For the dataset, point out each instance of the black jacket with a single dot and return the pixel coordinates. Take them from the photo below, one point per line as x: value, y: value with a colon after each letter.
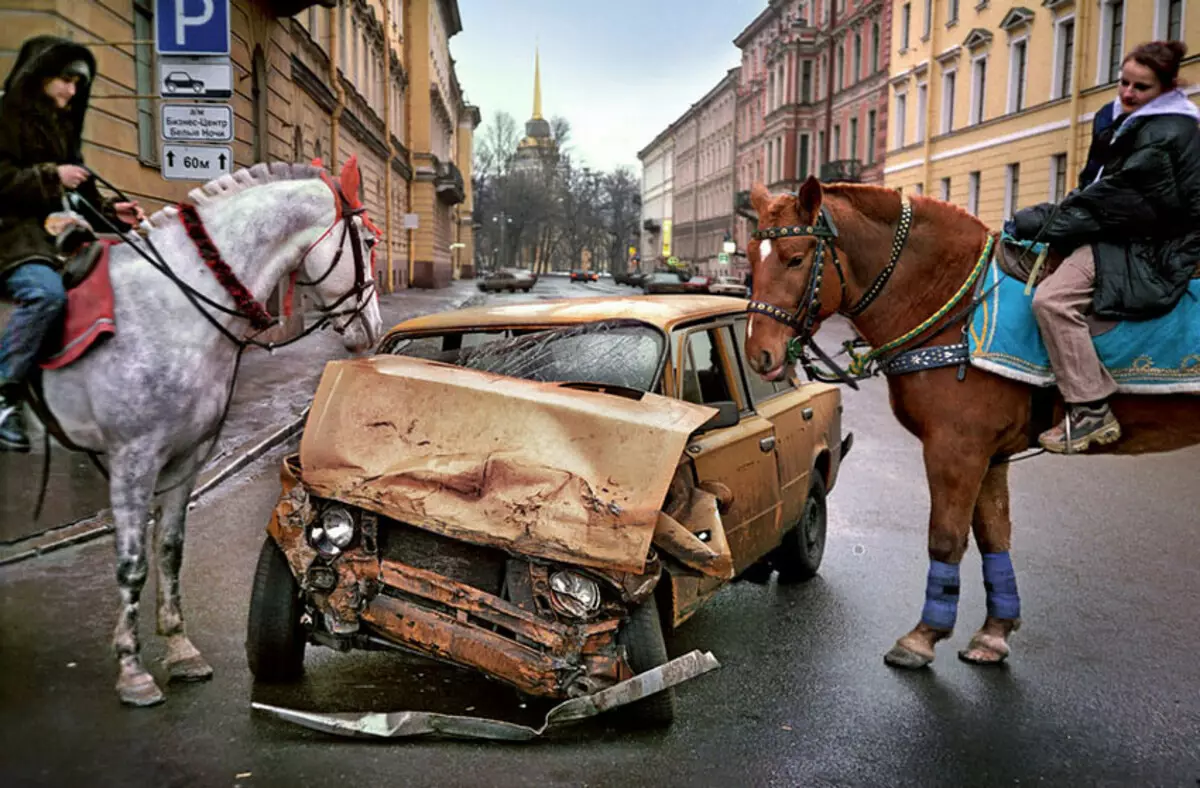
x: 1142, y: 217
x: 1102, y: 131
x: 36, y: 137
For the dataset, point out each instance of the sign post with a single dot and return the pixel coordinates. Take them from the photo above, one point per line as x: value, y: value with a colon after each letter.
x: 192, y: 41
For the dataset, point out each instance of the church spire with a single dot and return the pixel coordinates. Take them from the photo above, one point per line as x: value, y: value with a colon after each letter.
x: 537, y: 85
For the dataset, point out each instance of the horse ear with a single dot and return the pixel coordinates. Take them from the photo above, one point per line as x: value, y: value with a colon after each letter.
x: 808, y: 201
x: 760, y: 198
x: 350, y: 180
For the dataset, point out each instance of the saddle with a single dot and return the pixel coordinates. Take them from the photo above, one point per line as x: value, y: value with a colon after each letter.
x: 1019, y: 262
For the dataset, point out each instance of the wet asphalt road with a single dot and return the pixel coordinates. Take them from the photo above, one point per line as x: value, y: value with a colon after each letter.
x: 1103, y: 688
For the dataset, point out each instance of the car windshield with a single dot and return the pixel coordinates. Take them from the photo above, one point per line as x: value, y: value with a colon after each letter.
x: 612, y: 352
x: 664, y: 277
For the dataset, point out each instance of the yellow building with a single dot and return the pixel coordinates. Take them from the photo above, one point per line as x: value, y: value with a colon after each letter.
x: 992, y: 101
x: 312, y: 79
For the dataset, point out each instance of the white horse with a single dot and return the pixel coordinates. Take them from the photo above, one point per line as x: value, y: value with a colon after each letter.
x: 152, y: 397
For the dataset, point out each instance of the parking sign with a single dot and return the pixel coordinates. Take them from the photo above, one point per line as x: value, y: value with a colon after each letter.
x: 191, y: 27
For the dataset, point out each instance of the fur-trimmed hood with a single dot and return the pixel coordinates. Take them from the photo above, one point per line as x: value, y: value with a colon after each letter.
x: 40, y: 58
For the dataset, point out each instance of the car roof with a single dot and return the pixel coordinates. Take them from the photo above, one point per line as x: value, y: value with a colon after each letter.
x: 665, y: 312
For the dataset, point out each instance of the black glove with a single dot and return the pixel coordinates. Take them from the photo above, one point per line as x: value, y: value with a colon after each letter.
x: 1027, y: 223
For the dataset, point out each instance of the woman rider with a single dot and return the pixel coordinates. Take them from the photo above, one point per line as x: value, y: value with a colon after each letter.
x: 1132, y: 237
x: 41, y: 127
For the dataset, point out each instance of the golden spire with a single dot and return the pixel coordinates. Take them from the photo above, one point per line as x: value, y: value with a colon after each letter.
x: 537, y: 85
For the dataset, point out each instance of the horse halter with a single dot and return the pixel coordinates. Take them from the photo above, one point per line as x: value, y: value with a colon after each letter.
x: 363, y: 284
x: 808, y: 309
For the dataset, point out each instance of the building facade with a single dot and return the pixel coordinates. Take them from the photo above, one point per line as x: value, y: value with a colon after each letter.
x: 312, y: 79
x: 704, y: 185
x: 992, y: 102
x: 812, y: 96
x: 658, y: 195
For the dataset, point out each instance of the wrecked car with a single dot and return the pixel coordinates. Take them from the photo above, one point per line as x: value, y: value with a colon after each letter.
x: 537, y: 491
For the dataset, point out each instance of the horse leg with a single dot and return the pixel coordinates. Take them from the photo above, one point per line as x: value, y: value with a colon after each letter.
x: 133, y: 473
x: 955, y: 474
x: 183, y: 660
x: 993, y: 534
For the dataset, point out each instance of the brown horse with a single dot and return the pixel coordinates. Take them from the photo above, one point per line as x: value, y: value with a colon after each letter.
x: 862, y: 252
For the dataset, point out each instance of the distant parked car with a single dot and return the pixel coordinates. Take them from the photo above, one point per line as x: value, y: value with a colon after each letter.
x: 633, y: 278
x: 505, y: 279
x: 662, y: 282
x: 697, y: 284
x: 728, y: 285
x: 585, y: 276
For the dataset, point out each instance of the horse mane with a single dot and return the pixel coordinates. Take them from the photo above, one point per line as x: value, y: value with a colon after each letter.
x: 881, y: 202
x: 238, y: 181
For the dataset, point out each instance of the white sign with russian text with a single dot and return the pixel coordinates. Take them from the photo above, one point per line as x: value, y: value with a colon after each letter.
x: 197, y: 122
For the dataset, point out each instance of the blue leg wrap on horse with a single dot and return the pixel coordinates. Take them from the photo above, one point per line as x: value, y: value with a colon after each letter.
x: 941, y: 596
x: 1000, y: 580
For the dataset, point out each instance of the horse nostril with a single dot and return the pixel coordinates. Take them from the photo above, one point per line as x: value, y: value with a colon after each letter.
x: 765, y: 361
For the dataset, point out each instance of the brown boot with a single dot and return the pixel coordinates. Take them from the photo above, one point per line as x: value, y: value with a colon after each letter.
x: 1085, y: 425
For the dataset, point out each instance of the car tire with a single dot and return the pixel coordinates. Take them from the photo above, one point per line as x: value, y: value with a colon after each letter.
x: 275, y: 637
x: 798, y: 557
x: 646, y: 648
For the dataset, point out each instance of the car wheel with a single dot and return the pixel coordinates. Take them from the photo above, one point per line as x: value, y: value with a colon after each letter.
x: 275, y: 638
x: 645, y: 647
x: 798, y: 557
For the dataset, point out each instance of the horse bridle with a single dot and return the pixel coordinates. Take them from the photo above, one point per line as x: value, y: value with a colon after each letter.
x: 808, y: 309
x: 364, y: 285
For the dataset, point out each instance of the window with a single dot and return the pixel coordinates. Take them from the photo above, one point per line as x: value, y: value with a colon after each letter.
x: 1112, y: 46
x: 1064, y: 44
x: 875, y: 48
x: 945, y: 190
x: 901, y: 119
x: 949, y: 79
x: 704, y: 378
x: 770, y: 158
x: 856, y: 63
x: 839, y: 80
x: 1174, y: 20
x: 854, y: 138
x: 1018, y: 53
x: 928, y: 20
x: 973, y: 192
x: 922, y: 110
x: 951, y: 12
x: 806, y: 76
x: 837, y: 143
x: 979, y: 90
x: 918, y: 188
x: 771, y: 91
x: 871, y: 131
x: 820, y: 155
x: 905, y: 24
x: 146, y: 83
x: 1012, y: 189
x: 802, y: 157
x: 1058, y: 177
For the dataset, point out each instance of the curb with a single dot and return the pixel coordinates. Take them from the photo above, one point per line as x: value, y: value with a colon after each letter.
x: 101, y: 523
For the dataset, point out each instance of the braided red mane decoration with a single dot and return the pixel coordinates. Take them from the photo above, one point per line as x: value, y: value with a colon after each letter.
x: 255, y: 312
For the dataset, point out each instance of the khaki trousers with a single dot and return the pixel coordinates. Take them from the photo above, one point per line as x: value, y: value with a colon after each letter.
x: 1061, y: 304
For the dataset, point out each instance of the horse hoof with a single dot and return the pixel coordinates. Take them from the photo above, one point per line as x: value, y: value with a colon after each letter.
x: 994, y: 649
x: 903, y: 657
x: 139, y: 691
x: 192, y: 668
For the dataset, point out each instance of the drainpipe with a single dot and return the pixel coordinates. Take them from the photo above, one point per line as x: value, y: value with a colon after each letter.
x: 408, y: 22
x: 927, y: 150
x: 1083, y: 12
x: 829, y: 68
x: 335, y: 80
x: 387, y: 133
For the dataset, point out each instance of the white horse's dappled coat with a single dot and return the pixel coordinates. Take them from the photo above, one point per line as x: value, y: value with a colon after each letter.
x: 151, y: 397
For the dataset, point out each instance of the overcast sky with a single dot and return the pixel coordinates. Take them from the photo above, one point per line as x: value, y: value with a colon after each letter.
x: 619, y: 70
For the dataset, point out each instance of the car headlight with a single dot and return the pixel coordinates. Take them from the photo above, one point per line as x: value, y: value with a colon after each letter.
x: 575, y: 594
x: 334, y: 532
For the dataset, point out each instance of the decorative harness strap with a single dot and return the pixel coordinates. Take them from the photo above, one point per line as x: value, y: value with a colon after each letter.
x: 247, y: 307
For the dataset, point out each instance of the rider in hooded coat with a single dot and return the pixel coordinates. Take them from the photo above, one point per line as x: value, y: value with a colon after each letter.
x: 41, y: 127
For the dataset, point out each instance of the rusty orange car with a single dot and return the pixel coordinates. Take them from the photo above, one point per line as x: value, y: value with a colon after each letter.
x: 537, y: 491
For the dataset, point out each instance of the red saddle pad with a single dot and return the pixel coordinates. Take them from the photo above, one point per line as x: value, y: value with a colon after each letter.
x: 89, y: 315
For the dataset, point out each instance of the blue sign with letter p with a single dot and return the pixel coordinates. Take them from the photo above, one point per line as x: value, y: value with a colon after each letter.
x: 191, y: 27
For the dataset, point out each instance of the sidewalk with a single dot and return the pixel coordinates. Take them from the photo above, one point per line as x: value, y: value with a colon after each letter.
x: 272, y: 390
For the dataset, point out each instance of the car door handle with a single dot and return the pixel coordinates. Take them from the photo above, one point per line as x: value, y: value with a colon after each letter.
x: 807, y: 413
x: 767, y: 444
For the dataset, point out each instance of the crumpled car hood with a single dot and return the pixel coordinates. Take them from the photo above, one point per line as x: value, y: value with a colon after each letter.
x: 535, y: 468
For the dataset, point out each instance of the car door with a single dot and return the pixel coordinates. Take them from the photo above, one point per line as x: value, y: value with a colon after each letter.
x: 791, y: 414
x: 741, y: 457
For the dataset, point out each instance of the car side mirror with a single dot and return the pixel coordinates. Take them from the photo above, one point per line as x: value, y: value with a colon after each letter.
x: 727, y: 415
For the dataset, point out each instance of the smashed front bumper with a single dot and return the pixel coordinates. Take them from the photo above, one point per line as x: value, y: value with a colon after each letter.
x: 421, y: 723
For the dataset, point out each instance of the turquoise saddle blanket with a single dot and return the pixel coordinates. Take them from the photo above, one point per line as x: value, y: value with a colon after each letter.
x: 1160, y: 356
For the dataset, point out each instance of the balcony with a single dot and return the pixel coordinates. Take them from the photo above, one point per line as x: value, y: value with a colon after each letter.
x: 844, y: 170
x: 292, y: 7
x: 449, y: 183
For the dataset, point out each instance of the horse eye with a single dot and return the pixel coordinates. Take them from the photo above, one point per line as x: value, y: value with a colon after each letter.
x: 370, y: 242
x: 795, y: 261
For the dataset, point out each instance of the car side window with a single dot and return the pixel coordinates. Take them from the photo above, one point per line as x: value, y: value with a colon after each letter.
x: 759, y: 389
x: 704, y: 376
